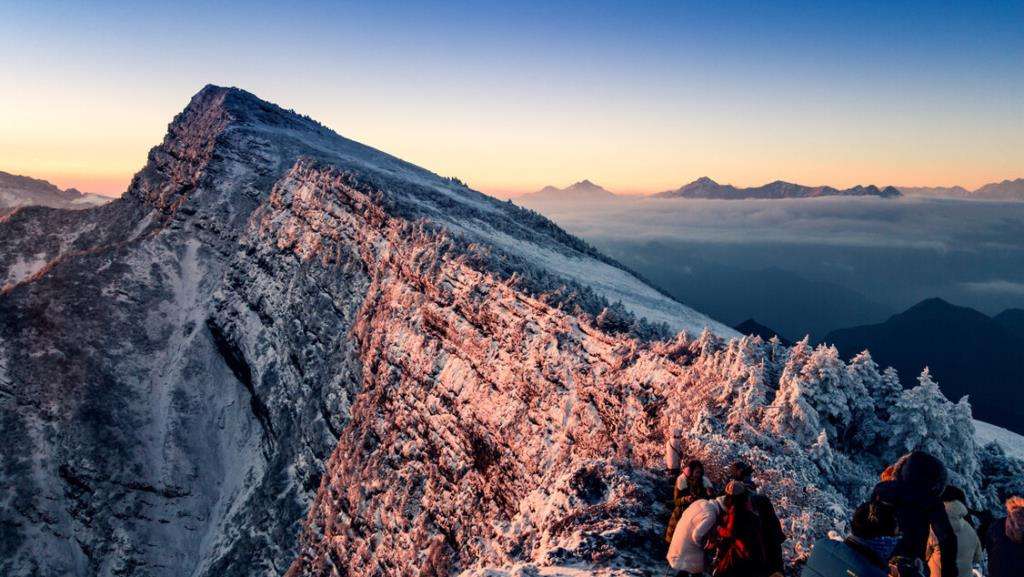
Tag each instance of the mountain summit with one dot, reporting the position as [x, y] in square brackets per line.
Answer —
[284, 352]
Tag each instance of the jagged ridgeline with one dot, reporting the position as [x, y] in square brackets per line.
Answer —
[285, 352]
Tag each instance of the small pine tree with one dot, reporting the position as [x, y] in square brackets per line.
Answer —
[924, 420]
[870, 391]
[791, 414]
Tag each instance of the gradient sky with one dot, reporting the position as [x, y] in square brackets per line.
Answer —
[510, 96]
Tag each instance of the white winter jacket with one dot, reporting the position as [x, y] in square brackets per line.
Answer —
[673, 450]
[968, 546]
[686, 552]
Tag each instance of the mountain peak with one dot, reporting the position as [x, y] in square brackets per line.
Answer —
[754, 328]
[933, 303]
[581, 190]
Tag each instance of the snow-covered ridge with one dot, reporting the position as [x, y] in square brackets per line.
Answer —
[419, 193]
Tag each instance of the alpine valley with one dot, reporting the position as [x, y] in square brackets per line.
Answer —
[285, 353]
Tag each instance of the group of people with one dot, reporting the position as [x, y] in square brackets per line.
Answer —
[917, 525]
[913, 525]
[736, 534]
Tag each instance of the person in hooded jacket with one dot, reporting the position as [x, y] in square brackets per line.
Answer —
[968, 545]
[673, 451]
[687, 553]
[1005, 541]
[915, 495]
[690, 486]
[739, 549]
[772, 534]
[865, 553]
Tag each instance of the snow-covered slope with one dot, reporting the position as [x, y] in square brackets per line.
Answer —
[1012, 443]
[284, 352]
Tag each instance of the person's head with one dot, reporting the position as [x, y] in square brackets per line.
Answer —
[694, 469]
[874, 520]
[740, 471]
[1015, 519]
[923, 472]
[953, 493]
[736, 495]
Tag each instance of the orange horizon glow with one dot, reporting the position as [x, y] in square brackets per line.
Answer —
[115, 184]
[108, 168]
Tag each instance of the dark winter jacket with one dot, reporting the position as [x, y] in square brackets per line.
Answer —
[739, 546]
[771, 531]
[831, 558]
[689, 492]
[1005, 544]
[915, 496]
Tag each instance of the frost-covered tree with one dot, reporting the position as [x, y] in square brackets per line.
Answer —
[1001, 476]
[744, 382]
[870, 396]
[919, 418]
[816, 392]
[923, 419]
[890, 391]
[614, 319]
[791, 413]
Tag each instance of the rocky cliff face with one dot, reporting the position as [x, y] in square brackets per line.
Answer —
[177, 367]
[284, 352]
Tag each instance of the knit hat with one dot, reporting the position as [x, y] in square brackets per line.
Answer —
[923, 472]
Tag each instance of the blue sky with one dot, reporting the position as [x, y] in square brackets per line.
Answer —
[638, 96]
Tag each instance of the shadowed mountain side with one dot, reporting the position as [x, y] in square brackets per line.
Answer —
[967, 352]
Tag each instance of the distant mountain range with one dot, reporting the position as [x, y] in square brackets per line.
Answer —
[1005, 190]
[583, 190]
[704, 187]
[17, 191]
[967, 352]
